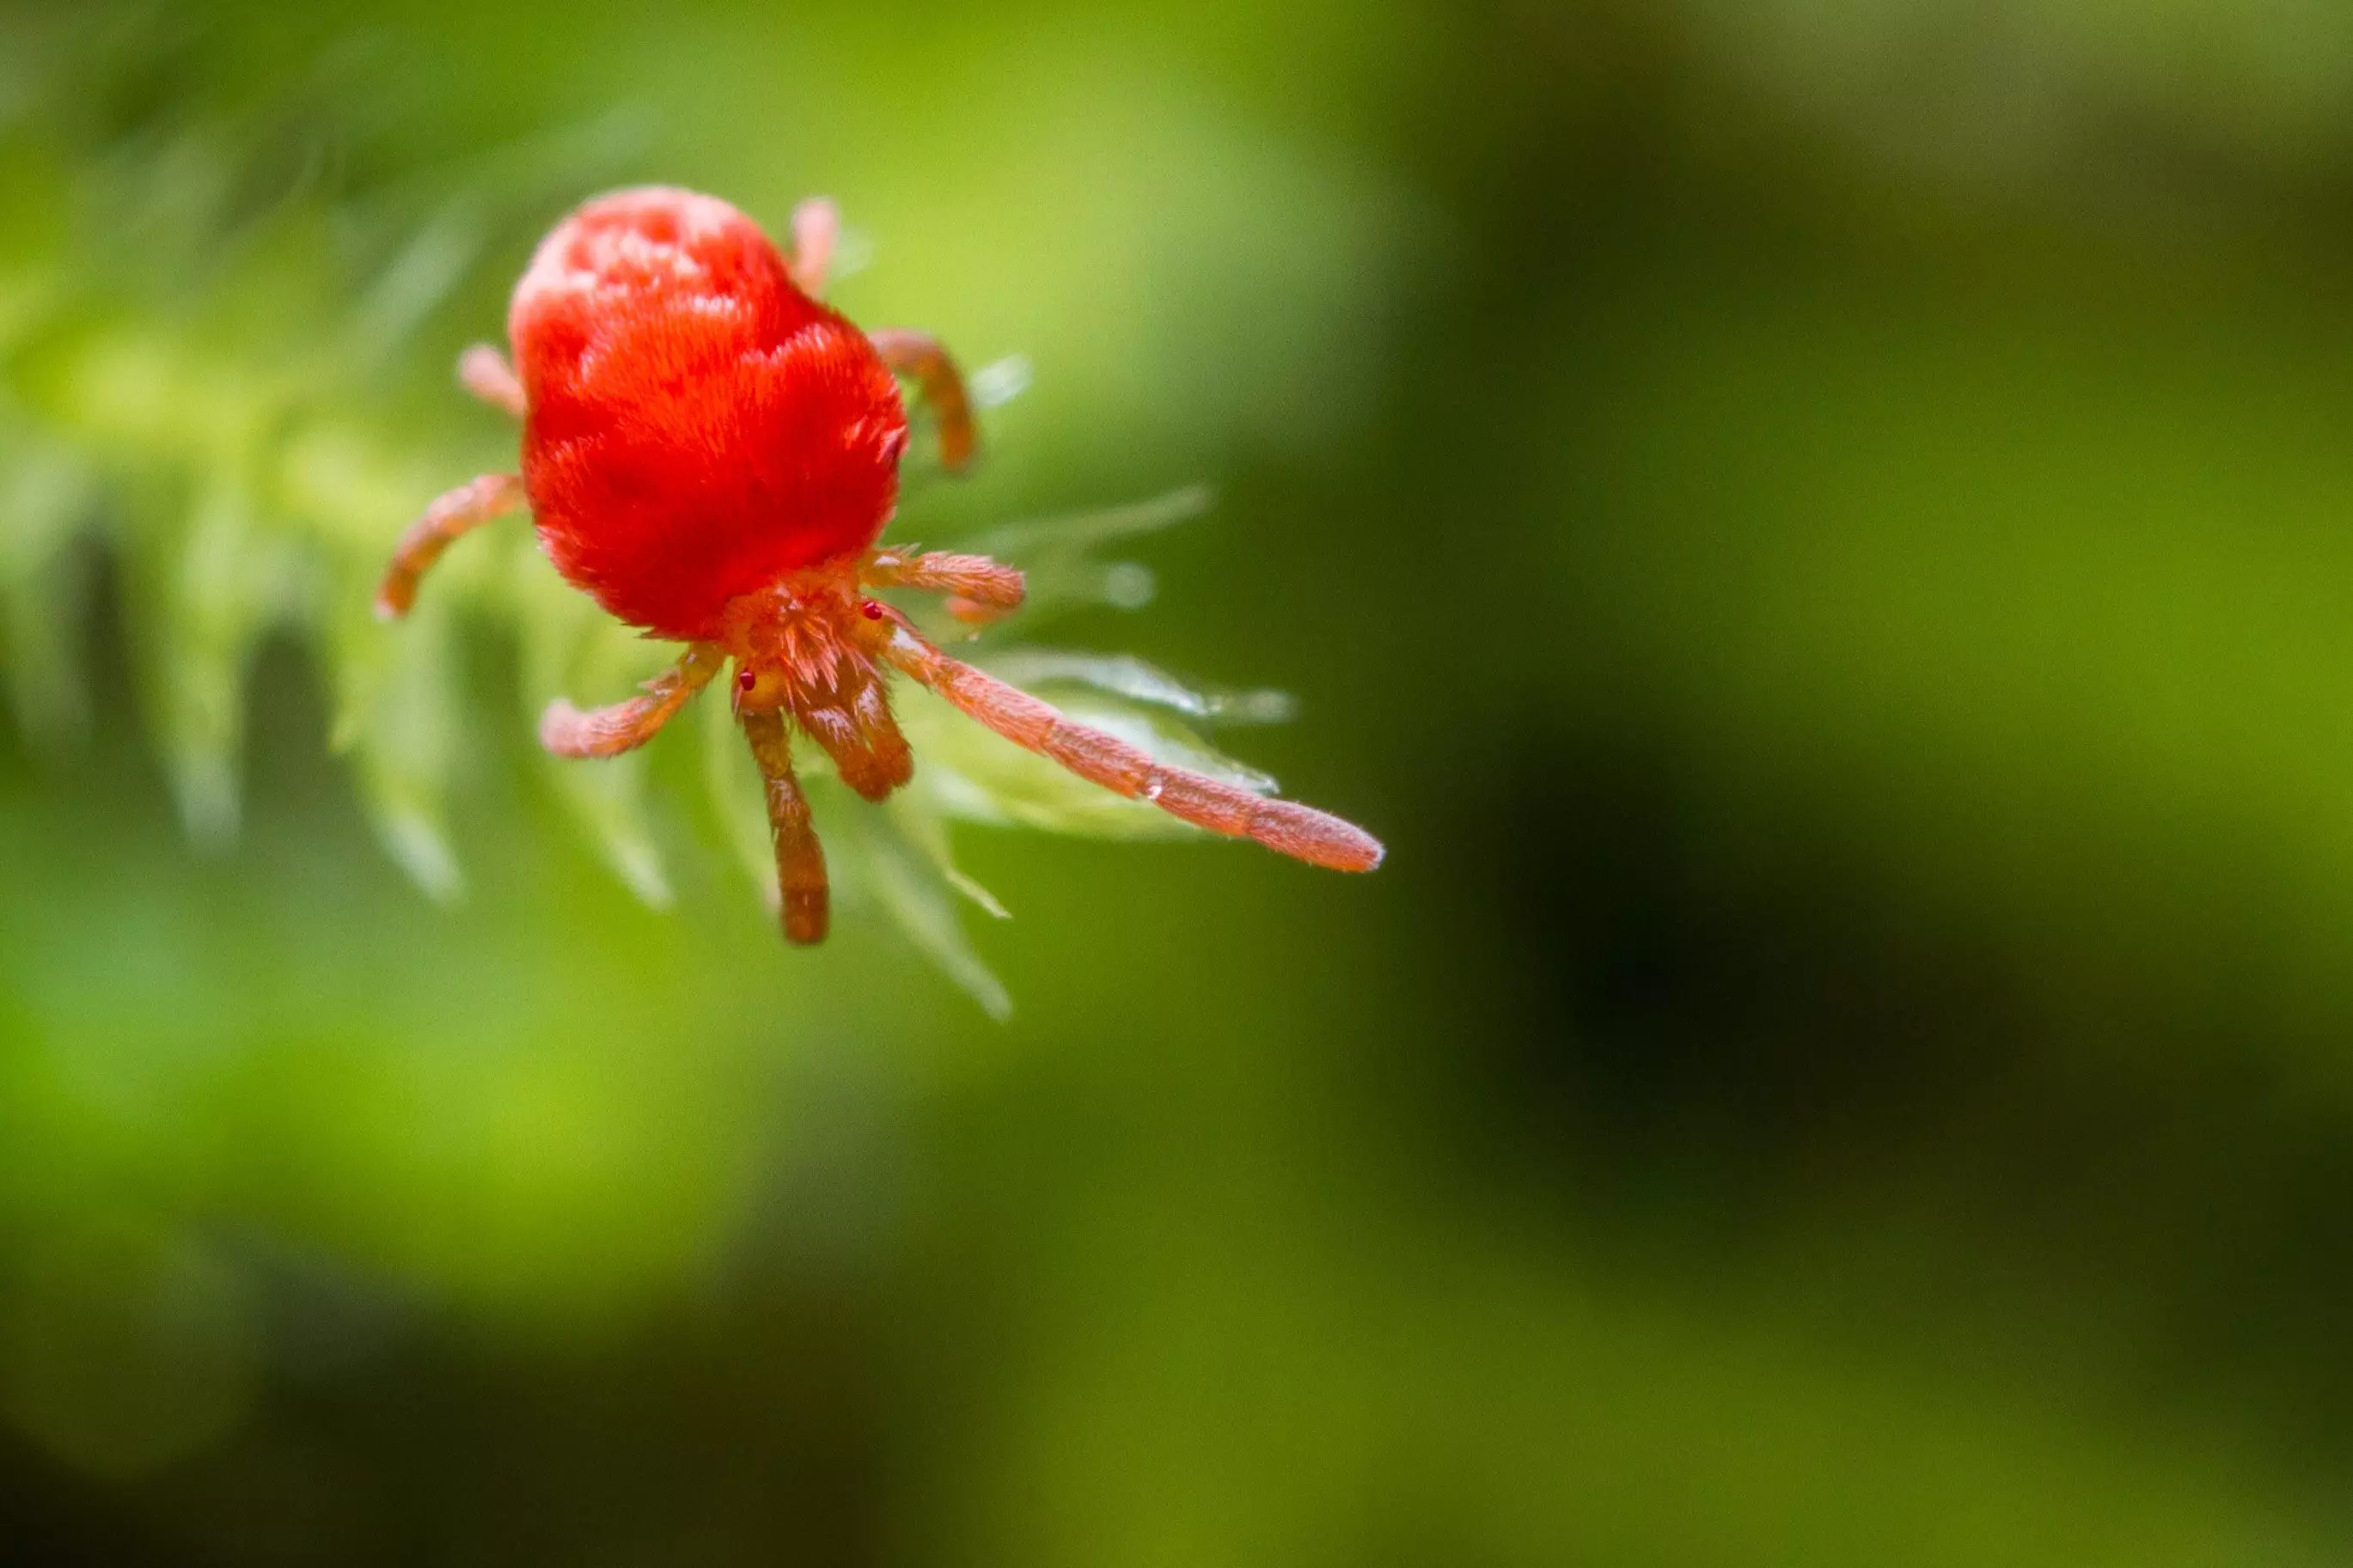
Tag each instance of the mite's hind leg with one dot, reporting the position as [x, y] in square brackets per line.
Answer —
[800, 861]
[817, 231]
[484, 372]
[1286, 827]
[919, 355]
[979, 590]
[458, 511]
[625, 726]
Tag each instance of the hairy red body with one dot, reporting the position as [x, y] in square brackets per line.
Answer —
[712, 454]
[698, 426]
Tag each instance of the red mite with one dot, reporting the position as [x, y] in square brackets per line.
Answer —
[712, 454]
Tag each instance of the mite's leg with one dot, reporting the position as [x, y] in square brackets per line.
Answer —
[817, 228]
[919, 355]
[484, 372]
[468, 507]
[800, 861]
[1286, 827]
[625, 726]
[852, 721]
[979, 590]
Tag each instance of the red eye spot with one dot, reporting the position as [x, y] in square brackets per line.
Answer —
[745, 680]
[873, 611]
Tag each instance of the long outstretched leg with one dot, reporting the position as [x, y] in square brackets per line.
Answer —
[625, 726]
[460, 511]
[1302, 832]
[484, 372]
[816, 230]
[919, 355]
[800, 860]
[978, 589]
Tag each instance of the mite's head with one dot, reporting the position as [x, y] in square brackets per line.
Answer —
[802, 641]
[805, 648]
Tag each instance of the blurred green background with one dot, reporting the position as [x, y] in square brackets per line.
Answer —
[1816, 530]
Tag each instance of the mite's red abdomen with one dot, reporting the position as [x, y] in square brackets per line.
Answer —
[698, 426]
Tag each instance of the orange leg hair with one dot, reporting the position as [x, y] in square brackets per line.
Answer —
[460, 511]
[625, 726]
[1285, 827]
[979, 589]
[484, 372]
[800, 860]
[851, 719]
[919, 355]
[816, 229]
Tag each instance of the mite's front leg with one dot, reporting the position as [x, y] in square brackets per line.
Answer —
[800, 859]
[625, 726]
[979, 590]
[919, 355]
[454, 514]
[1285, 827]
[851, 719]
[484, 372]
